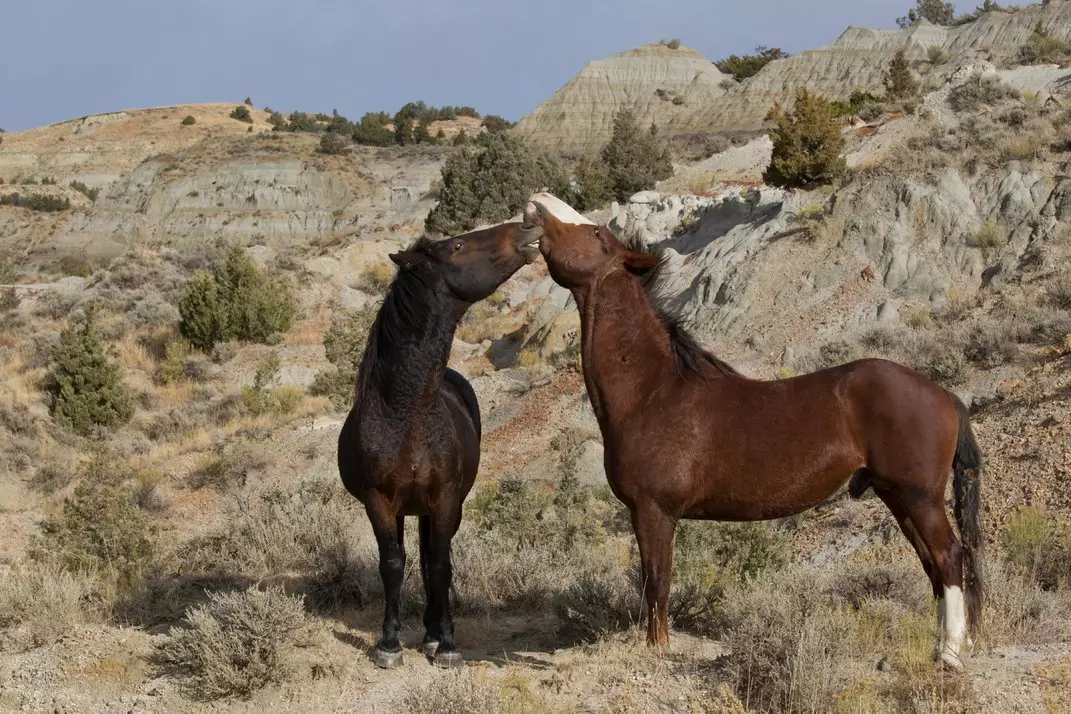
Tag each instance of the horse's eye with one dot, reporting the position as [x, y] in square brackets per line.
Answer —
[458, 245]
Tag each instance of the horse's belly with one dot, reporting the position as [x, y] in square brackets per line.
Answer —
[776, 493]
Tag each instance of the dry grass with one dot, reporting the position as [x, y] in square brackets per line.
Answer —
[237, 643]
[41, 602]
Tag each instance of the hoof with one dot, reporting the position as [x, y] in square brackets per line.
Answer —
[386, 660]
[430, 647]
[950, 661]
[448, 660]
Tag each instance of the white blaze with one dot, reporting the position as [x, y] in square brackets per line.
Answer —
[556, 207]
[955, 625]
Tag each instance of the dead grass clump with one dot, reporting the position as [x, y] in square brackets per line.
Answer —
[991, 343]
[375, 279]
[41, 602]
[598, 603]
[152, 309]
[230, 466]
[989, 238]
[460, 691]
[1060, 291]
[279, 530]
[789, 651]
[237, 643]
[1018, 612]
[1039, 547]
[901, 581]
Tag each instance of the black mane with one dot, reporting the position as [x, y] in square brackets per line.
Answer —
[406, 309]
[689, 355]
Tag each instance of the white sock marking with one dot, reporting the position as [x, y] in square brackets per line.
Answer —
[955, 621]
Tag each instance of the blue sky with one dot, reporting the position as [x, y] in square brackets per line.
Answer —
[68, 58]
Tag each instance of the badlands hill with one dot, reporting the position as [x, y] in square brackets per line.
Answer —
[663, 85]
[680, 91]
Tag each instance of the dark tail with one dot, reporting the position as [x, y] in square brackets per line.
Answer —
[967, 486]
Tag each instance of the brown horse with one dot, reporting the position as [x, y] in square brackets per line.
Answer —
[411, 443]
[686, 436]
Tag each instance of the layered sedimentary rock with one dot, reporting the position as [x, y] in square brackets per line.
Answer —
[662, 85]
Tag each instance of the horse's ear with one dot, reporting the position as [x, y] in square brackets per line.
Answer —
[641, 263]
[407, 259]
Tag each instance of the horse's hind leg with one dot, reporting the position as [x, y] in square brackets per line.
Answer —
[437, 618]
[931, 523]
[388, 527]
[913, 537]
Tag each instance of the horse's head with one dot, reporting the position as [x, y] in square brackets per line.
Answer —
[577, 250]
[471, 266]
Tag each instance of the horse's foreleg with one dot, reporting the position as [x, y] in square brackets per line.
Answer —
[432, 628]
[388, 527]
[439, 621]
[654, 534]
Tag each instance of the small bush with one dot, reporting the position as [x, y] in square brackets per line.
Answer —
[671, 44]
[807, 144]
[85, 385]
[238, 302]
[979, 91]
[333, 144]
[237, 642]
[990, 344]
[595, 604]
[100, 529]
[495, 124]
[492, 183]
[189, 120]
[261, 399]
[90, 193]
[174, 367]
[152, 309]
[37, 202]
[634, 160]
[740, 551]
[344, 343]
[899, 82]
[376, 279]
[989, 238]
[749, 65]
[241, 113]
[936, 11]
[1043, 48]
[594, 183]
[947, 366]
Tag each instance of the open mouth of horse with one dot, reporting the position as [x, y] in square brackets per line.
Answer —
[530, 247]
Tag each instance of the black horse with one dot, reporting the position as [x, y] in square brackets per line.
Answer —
[411, 444]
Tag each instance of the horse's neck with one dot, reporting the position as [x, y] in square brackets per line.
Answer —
[625, 347]
[407, 371]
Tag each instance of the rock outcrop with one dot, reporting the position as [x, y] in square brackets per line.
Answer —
[664, 86]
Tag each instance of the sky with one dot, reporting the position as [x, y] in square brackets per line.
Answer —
[69, 58]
